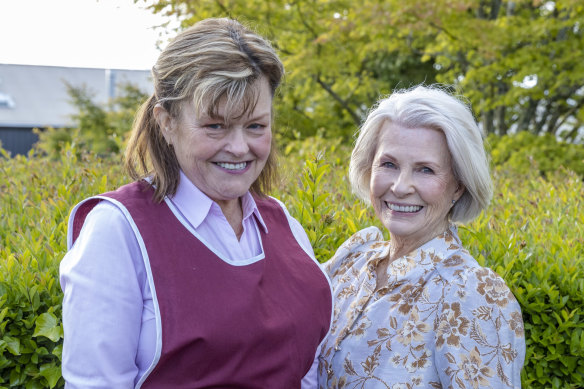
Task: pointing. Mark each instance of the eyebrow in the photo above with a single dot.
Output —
(261, 116)
(420, 162)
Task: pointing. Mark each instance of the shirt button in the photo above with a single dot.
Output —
(330, 371)
(337, 347)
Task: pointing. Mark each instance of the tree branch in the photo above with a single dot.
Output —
(339, 100)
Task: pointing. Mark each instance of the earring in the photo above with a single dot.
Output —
(453, 201)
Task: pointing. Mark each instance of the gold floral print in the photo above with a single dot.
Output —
(452, 326)
(442, 321)
(473, 369)
(492, 287)
(406, 298)
(412, 329)
(516, 323)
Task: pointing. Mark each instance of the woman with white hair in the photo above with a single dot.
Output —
(418, 310)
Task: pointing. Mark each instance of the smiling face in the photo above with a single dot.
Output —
(222, 159)
(412, 184)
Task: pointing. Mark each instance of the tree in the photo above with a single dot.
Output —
(339, 56)
(100, 128)
(516, 61)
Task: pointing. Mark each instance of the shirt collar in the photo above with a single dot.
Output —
(195, 205)
(250, 208)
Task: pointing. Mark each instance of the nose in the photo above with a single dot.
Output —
(402, 185)
(237, 143)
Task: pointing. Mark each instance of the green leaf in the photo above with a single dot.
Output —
(52, 373)
(12, 344)
(47, 325)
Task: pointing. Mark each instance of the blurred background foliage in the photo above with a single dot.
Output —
(516, 61)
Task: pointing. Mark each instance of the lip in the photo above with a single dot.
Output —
(233, 167)
(403, 208)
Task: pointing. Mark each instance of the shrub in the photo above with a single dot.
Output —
(37, 195)
(532, 235)
(524, 152)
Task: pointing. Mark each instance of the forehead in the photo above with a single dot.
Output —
(234, 103)
(417, 141)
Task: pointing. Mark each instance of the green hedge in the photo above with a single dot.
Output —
(525, 152)
(532, 235)
(37, 195)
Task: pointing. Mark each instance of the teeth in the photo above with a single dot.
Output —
(401, 208)
(232, 166)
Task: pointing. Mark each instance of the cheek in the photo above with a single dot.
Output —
(266, 144)
(438, 194)
(378, 185)
(375, 192)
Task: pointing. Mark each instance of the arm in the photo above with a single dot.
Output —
(479, 329)
(102, 304)
(310, 380)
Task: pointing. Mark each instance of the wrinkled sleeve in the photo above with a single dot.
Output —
(334, 266)
(102, 303)
(479, 333)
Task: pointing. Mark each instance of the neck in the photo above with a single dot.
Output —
(233, 212)
(401, 245)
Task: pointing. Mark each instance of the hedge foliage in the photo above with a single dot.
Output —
(525, 152)
(532, 235)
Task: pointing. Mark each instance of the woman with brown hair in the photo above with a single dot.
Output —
(191, 276)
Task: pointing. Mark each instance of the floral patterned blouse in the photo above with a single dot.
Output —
(443, 321)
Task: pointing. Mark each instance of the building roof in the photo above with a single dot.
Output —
(36, 96)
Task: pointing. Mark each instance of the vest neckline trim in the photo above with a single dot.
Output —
(178, 214)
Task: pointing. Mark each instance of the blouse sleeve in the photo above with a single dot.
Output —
(479, 333)
(365, 236)
(102, 304)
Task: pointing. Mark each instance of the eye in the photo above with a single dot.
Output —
(389, 165)
(427, 170)
(214, 126)
(256, 126)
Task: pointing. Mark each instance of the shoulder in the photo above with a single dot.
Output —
(97, 215)
(274, 202)
(480, 321)
(451, 261)
(486, 286)
(270, 208)
(362, 244)
(296, 228)
(106, 241)
(104, 215)
(482, 295)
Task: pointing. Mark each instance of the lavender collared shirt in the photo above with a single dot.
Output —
(107, 295)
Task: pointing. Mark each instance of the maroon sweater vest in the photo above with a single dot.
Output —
(224, 326)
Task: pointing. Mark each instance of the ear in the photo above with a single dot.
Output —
(164, 121)
(460, 189)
